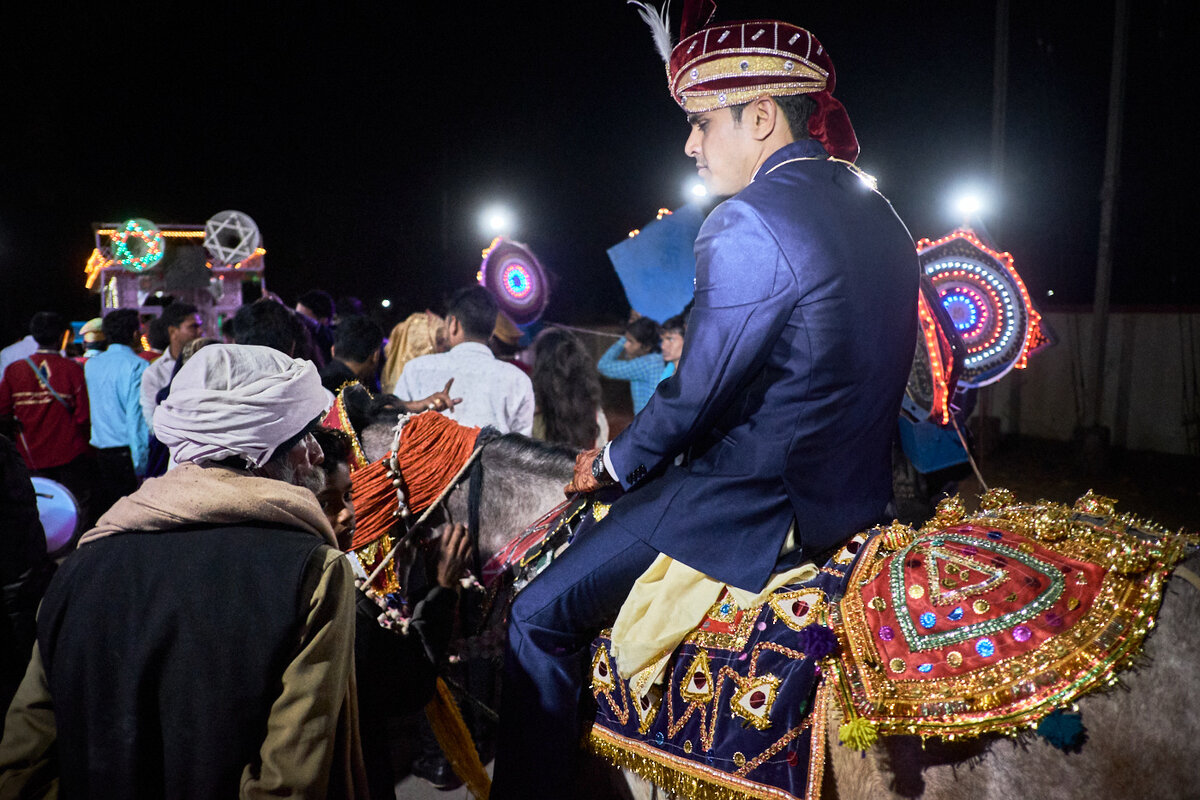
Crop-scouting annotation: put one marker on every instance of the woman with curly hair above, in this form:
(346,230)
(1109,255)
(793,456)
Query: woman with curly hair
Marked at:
(566,388)
(420,334)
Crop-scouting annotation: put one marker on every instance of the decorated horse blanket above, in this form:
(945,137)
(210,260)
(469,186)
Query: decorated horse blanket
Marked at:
(974,624)
(732,717)
(990,623)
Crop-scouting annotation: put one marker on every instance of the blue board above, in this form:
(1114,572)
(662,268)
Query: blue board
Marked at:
(658,266)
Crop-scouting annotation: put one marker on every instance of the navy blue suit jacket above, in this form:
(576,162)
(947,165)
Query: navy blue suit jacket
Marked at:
(794,363)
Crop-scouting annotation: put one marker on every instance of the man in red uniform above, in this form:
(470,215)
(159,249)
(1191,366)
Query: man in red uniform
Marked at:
(47,395)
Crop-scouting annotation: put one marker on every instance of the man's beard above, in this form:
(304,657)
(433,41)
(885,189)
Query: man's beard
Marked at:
(311,478)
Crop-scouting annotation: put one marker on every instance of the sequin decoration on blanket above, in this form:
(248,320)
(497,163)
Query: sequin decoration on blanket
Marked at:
(990,623)
(732,718)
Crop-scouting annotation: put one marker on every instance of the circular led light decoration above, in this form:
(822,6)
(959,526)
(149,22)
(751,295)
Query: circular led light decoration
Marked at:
(511,272)
(230,237)
(516,280)
(137,245)
(937,362)
(966,310)
(986,301)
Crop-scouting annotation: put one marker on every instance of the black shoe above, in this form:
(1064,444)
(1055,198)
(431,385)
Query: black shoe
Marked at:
(436,771)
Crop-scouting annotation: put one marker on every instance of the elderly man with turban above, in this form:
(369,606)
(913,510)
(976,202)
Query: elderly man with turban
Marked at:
(199,643)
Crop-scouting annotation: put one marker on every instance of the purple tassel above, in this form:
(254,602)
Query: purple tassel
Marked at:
(817,641)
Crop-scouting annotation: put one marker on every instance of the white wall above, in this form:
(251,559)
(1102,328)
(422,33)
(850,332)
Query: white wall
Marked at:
(1151,388)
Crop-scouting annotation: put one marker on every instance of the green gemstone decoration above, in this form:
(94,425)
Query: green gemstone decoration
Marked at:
(919,642)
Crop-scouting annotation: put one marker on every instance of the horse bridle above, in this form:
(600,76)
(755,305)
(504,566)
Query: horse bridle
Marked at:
(472,469)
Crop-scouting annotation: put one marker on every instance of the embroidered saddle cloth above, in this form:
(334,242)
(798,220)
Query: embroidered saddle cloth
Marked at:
(990,623)
(533,549)
(732,716)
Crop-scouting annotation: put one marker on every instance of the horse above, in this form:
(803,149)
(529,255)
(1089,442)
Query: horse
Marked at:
(1142,736)
(517,480)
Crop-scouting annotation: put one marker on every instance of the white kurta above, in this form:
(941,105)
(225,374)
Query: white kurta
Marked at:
(493,392)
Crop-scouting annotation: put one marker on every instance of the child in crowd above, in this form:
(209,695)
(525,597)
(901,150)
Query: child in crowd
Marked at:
(381,655)
(671,344)
(635,357)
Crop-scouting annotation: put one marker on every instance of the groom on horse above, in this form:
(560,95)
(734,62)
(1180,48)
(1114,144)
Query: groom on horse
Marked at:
(785,401)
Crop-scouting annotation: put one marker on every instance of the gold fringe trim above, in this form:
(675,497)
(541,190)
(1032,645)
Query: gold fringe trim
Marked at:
(679,776)
(456,742)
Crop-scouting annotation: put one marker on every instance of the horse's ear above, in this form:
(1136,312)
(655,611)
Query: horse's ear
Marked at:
(376,440)
(356,400)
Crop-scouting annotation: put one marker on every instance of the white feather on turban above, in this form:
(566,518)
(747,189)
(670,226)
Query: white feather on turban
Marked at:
(238,400)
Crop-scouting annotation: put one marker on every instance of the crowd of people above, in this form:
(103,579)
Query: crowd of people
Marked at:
(106,411)
(82,413)
(201,640)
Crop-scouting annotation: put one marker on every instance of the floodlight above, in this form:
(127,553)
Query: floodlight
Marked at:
(497,221)
(969,204)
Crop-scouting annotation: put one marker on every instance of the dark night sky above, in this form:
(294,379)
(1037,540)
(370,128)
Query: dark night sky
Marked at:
(364,139)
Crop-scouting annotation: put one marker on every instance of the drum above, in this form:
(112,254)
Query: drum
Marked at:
(60,515)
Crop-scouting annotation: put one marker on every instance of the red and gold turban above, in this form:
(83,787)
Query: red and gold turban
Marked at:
(729,64)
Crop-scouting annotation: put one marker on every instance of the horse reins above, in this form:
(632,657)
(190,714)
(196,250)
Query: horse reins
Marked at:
(425,515)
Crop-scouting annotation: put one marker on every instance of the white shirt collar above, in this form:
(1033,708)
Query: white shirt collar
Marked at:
(472,347)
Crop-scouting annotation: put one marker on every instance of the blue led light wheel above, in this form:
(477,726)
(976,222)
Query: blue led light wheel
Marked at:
(512,273)
(986,301)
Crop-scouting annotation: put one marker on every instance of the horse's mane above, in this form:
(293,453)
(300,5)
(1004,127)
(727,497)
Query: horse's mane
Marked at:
(374,417)
(543,459)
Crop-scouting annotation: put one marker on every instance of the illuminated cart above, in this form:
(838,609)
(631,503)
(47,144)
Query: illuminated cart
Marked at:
(135,264)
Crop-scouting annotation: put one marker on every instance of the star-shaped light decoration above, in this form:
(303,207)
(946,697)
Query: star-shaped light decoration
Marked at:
(230,237)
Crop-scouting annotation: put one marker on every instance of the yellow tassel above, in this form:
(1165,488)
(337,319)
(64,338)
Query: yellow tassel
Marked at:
(858,734)
(456,742)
